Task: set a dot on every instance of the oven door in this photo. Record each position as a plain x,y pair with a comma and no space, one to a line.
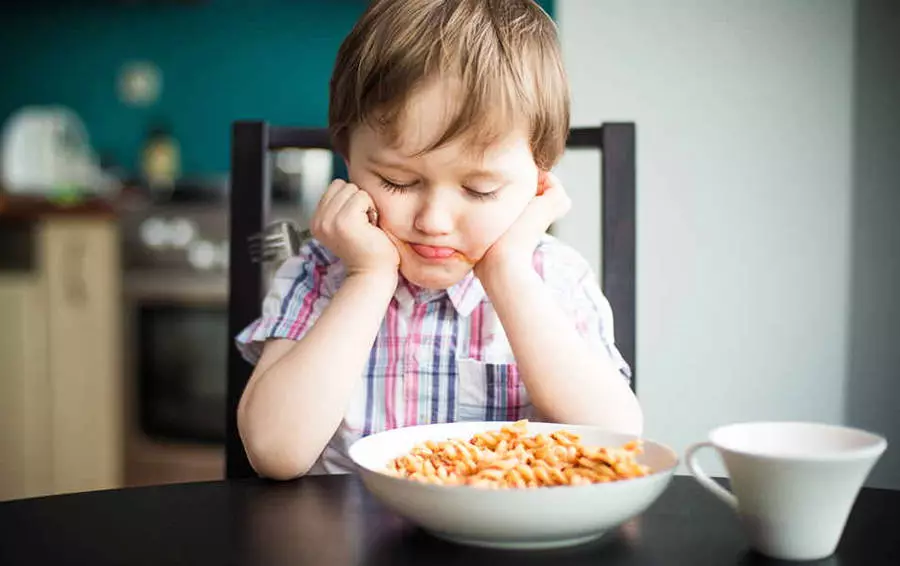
180,328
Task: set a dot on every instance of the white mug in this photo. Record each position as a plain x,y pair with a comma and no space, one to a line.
793,483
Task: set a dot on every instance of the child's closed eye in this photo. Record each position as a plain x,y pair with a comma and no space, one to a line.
396,187
481,195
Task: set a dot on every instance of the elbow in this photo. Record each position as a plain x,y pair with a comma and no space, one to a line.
620,414
272,456
624,413
632,422
629,418
625,420
279,469
275,460
628,422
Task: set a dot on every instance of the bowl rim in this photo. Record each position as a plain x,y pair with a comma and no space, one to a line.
653,476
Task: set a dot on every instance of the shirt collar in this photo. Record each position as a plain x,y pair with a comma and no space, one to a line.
464,295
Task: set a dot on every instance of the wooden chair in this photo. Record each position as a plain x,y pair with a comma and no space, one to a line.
250,198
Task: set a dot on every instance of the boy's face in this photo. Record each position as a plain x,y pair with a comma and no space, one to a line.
443,209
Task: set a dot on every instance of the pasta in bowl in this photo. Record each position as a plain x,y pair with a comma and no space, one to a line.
514,484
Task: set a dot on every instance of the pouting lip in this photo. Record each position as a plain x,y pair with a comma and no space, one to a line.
430,245
453,252
430,251
434,252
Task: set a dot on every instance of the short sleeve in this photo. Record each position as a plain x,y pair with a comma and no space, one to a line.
298,294
576,288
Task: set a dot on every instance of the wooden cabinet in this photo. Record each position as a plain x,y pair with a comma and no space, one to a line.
61,417
25,415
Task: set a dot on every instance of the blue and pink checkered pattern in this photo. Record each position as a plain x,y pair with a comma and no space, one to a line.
440,356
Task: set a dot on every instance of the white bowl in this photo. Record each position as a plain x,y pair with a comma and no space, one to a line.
542,517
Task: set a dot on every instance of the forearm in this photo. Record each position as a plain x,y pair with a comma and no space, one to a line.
292,408
566,380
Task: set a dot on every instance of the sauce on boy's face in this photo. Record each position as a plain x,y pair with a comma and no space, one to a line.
445,208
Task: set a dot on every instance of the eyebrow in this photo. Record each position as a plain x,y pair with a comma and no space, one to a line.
374,160
486,175
480,174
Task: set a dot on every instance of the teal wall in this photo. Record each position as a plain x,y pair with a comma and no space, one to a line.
221,60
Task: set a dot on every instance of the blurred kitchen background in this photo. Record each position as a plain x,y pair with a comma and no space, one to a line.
768,207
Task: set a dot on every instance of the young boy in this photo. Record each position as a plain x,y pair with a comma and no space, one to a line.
455,304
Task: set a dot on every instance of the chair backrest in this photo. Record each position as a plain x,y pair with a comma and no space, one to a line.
250,201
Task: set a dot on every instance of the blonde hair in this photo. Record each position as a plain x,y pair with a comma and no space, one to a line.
502,56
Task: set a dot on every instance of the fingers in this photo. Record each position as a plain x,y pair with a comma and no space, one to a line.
334,206
332,189
343,208
343,224
325,211
338,193
552,200
542,182
356,209
359,203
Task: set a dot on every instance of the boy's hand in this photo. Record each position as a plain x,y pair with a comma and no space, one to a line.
515,248
342,224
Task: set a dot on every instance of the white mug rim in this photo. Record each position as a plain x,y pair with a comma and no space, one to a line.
875,443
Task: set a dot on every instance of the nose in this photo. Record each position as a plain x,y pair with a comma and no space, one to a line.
434,217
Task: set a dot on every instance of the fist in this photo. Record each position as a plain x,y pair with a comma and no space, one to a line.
516,246
342,223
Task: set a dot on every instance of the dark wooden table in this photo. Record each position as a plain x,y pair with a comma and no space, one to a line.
331,520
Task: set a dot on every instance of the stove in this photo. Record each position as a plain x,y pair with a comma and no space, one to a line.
175,257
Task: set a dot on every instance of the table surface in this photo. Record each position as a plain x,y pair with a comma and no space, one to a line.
332,520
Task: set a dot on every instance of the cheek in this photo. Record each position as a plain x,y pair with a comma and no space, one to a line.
391,210
496,217
487,225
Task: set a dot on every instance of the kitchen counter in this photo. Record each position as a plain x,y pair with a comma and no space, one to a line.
20,207
60,367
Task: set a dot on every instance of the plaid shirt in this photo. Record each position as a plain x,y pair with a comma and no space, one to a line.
440,356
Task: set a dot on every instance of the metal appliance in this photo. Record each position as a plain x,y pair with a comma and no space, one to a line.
175,256
46,149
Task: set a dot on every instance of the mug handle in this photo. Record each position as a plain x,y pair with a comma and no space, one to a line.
690,458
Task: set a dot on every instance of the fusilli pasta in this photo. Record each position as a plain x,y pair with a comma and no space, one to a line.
510,458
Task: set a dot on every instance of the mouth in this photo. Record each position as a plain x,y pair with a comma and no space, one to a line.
434,253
